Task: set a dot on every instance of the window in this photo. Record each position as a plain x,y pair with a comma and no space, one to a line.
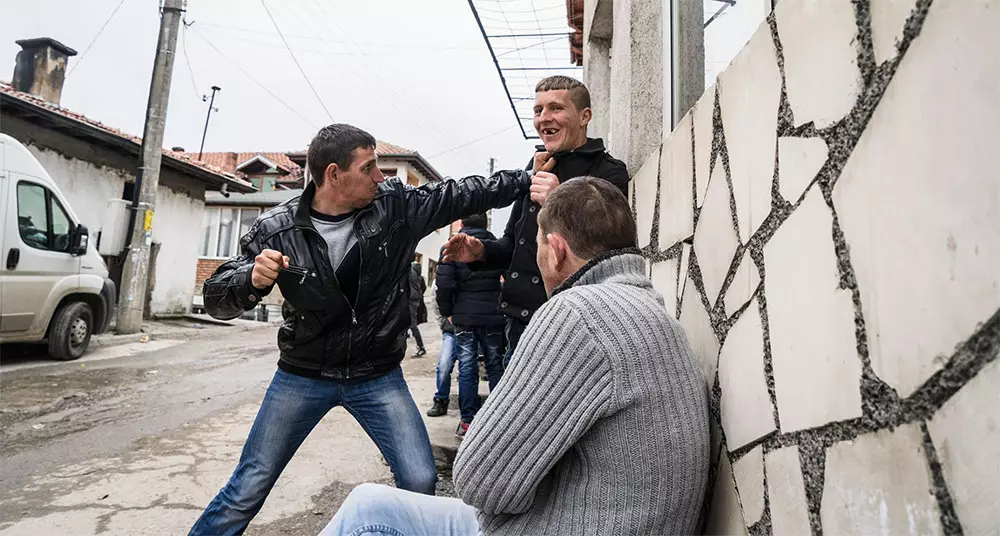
41,220
222,229
229,216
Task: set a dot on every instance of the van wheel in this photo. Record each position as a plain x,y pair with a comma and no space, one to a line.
70,332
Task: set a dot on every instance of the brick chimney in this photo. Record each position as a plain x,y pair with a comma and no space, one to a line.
41,68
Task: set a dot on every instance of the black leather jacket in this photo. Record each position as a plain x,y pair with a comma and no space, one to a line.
323,334
523,290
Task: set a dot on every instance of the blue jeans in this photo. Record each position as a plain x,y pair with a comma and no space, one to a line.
372,509
468,340
292,407
445,365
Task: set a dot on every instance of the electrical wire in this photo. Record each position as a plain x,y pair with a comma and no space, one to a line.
381,82
258,82
466,144
94,40
187,59
297,64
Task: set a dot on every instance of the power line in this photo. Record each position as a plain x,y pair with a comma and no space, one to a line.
94,40
259,83
187,59
466,144
381,81
297,64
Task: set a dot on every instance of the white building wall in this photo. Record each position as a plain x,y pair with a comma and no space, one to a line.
177,220
176,227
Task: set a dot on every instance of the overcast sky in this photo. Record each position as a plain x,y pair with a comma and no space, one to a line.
412,72
416,73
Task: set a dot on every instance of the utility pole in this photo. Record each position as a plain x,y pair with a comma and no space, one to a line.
211,107
132,295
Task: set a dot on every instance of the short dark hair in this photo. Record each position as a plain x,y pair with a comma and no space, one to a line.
591,214
333,144
476,220
578,93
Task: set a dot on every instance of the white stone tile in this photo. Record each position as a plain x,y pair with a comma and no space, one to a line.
749,474
645,196
879,483
701,336
888,19
703,112
813,348
676,186
744,284
787,491
821,66
747,414
664,277
683,273
799,159
966,436
725,515
750,92
715,240
919,199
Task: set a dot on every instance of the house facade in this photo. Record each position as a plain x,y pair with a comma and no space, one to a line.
93,163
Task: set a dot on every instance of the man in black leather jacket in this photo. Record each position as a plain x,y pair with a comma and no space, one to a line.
340,253
562,113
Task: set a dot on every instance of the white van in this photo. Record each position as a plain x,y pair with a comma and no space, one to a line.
54,285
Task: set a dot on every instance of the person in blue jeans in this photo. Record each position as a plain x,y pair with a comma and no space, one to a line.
445,365
340,254
470,300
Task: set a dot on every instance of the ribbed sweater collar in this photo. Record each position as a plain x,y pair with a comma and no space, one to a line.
623,266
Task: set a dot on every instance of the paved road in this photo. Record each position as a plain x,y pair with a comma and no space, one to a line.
136,439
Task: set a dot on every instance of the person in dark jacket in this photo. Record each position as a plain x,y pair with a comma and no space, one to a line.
562,112
340,253
418,309
470,298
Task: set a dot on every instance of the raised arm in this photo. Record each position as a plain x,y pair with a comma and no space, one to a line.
436,205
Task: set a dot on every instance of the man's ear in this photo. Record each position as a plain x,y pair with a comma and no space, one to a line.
560,251
330,174
586,116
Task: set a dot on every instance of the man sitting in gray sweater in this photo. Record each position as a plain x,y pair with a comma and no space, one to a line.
600,424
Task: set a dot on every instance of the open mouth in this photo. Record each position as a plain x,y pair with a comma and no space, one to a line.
550,131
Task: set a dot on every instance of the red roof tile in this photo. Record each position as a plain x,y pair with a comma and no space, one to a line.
229,161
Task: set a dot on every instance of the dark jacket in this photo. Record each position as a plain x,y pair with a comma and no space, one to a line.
470,297
523,290
323,334
418,308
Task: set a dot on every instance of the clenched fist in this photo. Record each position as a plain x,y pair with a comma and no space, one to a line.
543,181
266,267
464,248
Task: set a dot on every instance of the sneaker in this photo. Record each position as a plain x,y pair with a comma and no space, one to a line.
440,408
420,353
463,427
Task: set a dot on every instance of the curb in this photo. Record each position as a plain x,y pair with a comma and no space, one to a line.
108,341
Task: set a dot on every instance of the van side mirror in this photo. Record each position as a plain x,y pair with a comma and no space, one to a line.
79,241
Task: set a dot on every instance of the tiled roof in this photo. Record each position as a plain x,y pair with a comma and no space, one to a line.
383,148
186,158
230,160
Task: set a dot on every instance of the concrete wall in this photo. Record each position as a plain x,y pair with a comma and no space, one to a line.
825,223
88,176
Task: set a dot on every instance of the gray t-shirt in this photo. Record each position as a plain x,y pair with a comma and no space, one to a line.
338,231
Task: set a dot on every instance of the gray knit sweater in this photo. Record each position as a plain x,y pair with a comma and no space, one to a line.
600,424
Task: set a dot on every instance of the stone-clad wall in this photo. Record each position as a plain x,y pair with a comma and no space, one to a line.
825,223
